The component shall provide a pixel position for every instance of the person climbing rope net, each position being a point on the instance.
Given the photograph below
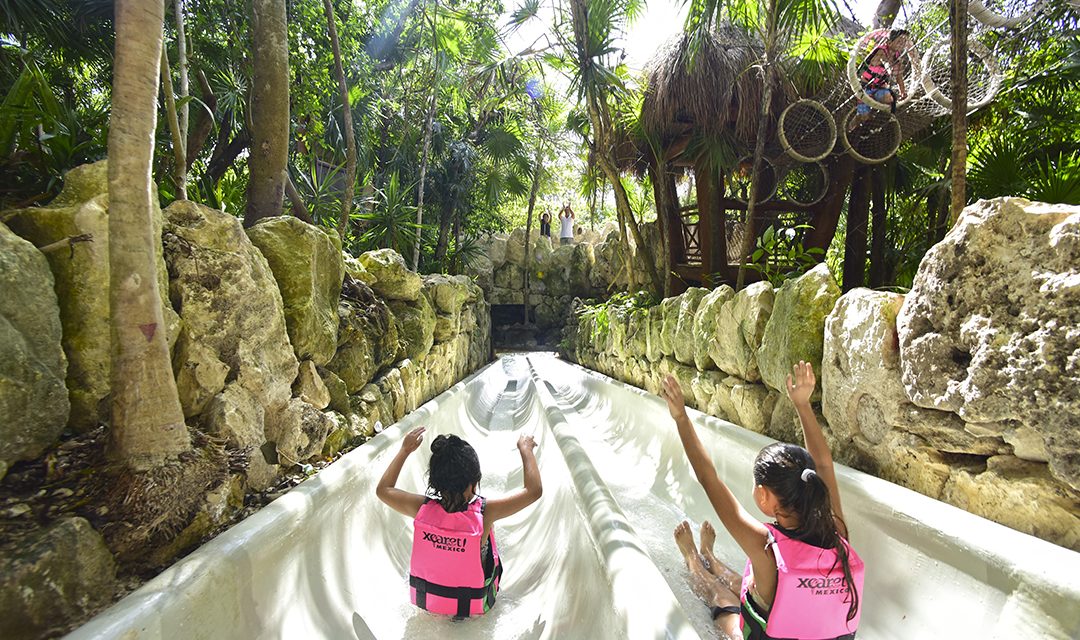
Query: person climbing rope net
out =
(881, 73)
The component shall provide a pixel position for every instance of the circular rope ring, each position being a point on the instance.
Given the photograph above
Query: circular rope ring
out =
(997, 19)
(975, 48)
(804, 184)
(739, 180)
(861, 49)
(807, 130)
(873, 141)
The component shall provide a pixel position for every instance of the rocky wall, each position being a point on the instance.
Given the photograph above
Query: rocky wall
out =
(590, 267)
(965, 389)
(286, 351)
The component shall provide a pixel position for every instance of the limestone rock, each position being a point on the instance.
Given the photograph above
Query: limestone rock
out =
(62, 576)
(307, 264)
(654, 325)
(356, 270)
(795, 329)
(482, 270)
(683, 344)
(705, 325)
(515, 247)
(415, 327)
(1019, 494)
(497, 250)
(336, 389)
(298, 432)
(233, 361)
(991, 326)
(669, 310)
(394, 280)
(752, 404)
(309, 386)
(740, 327)
(33, 399)
(81, 276)
(367, 338)
(447, 293)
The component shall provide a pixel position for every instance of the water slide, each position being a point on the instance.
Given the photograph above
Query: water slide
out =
(594, 558)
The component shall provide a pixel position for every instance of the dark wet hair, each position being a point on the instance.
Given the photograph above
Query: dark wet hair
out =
(779, 468)
(454, 467)
(898, 33)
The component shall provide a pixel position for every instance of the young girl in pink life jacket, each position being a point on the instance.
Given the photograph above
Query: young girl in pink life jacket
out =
(802, 580)
(455, 567)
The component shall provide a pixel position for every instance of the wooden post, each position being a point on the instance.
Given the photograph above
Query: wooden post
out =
(958, 15)
(879, 228)
(855, 240)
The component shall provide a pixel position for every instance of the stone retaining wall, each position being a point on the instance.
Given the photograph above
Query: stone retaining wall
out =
(284, 349)
(966, 390)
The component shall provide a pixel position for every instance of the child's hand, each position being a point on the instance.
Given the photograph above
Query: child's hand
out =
(413, 439)
(526, 443)
(673, 395)
(802, 387)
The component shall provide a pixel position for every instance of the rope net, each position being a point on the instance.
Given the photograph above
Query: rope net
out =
(984, 78)
(1005, 14)
(739, 181)
(805, 183)
(807, 131)
(871, 139)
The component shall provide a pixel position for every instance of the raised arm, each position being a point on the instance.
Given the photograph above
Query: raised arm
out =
(800, 386)
(404, 502)
(748, 532)
(509, 505)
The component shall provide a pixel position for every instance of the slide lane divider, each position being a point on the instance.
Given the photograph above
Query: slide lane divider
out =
(639, 590)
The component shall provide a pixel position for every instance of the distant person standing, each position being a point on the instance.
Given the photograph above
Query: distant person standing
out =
(566, 216)
(545, 224)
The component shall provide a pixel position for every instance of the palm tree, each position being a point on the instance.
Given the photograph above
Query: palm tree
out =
(346, 122)
(147, 421)
(595, 25)
(269, 110)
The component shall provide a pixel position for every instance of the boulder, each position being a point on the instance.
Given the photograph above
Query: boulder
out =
(497, 250)
(515, 247)
(233, 361)
(336, 389)
(309, 386)
(796, 328)
(415, 327)
(447, 293)
(740, 327)
(307, 264)
(654, 324)
(64, 574)
(705, 325)
(367, 338)
(33, 399)
(393, 280)
(298, 432)
(991, 326)
(482, 271)
(357, 271)
(752, 404)
(669, 311)
(81, 278)
(683, 345)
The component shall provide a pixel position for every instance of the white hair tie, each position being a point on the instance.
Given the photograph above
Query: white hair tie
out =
(807, 474)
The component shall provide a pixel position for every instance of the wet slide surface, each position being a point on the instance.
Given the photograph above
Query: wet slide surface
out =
(594, 558)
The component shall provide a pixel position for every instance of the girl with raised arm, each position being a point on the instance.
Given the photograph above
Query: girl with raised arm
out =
(455, 565)
(802, 579)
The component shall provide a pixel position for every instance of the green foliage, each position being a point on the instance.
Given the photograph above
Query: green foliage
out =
(780, 255)
(392, 223)
(637, 303)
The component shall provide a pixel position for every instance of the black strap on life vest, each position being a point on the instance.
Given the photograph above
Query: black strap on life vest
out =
(463, 595)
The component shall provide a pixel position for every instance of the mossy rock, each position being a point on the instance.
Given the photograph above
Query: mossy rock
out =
(393, 279)
(796, 329)
(415, 327)
(309, 269)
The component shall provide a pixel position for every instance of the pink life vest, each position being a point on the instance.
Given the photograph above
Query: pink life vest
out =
(447, 574)
(812, 597)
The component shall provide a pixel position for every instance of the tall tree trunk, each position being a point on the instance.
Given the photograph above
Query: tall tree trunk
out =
(855, 237)
(879, 222)
(958, 15)
(179, 161)
(429, 123)
(147, 421)
(528, 227)
(269, 111)
(346, 123)
(664, 208)
(750, 231)
(443, 239)
(204, 122)
(182, 67)
(886, 13)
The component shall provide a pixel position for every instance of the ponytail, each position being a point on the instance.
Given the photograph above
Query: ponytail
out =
(454, 467)
(789, 472)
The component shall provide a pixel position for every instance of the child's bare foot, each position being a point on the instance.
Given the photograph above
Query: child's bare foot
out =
(729, 578)
(684, 538)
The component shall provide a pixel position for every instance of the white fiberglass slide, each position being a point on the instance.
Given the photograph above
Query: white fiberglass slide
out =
(594, 558)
